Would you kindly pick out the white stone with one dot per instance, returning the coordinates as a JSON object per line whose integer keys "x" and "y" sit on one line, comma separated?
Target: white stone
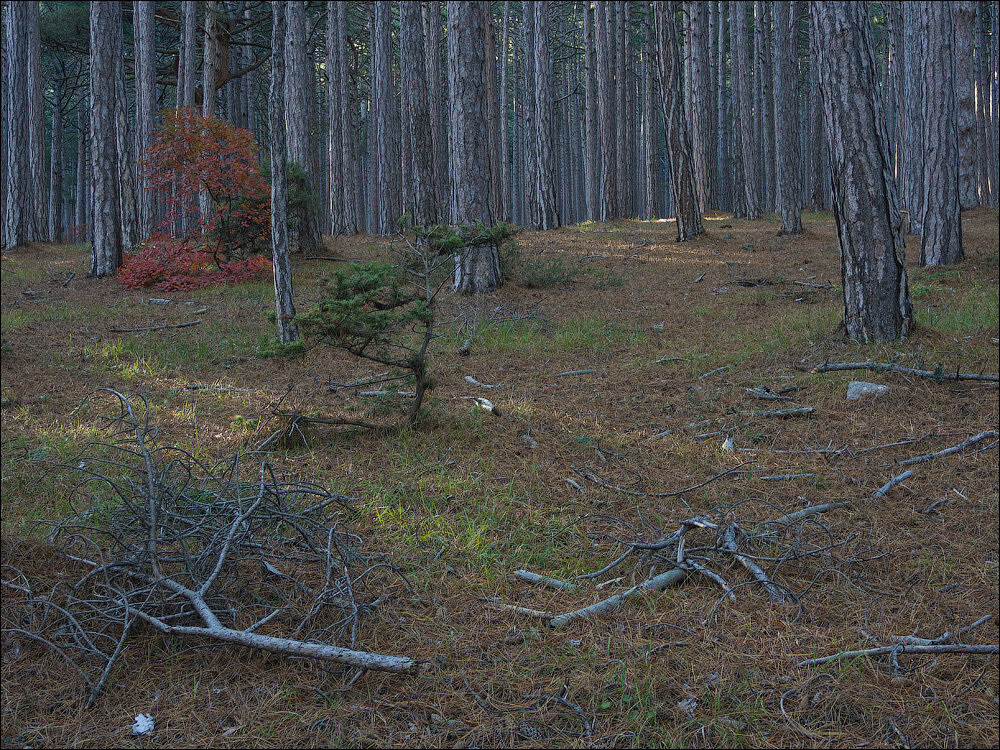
{"x": 858, "y": 389}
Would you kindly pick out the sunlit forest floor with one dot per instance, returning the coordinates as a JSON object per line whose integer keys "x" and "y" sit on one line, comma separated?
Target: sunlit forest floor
{"x": 668, "y": 335}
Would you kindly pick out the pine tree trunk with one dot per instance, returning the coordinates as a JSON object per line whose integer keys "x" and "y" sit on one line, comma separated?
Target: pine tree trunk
{"x": 124, "y": 149}
{"x": 335, "y": 123}
{"x": 210, "y": 62}
{"x": 188, "y": 62}
{"x": 387, "y": 158}
{"x": 765, "y": 68}
{"x": 280, "y": 254}
{"x": 606, "y": 101}
{"x": 145, "y": 105}
{"x": 941, "y": 243}
{"x": 55, "y": 232}
{"x": 545, "y": 192}
{"x": 724, "y": 180}
{"x": 592, "y": 161}
{"x": 435, "y": 101}
{"x": 914, "y": 30}
{"x": 106, "y": 234}
{"x": 505, "y": 202}
{"x": 300, "y": 104}
{"x": 745, "y": 116}
{"x": 81, "y": 211}
{"x": 876, "y": 296}
{"x": 414, "y": 87}
{"x": 477, "y": 268}
{"x": 682, "y": 181}
{"x": 38, "y": 225}
{"x": 649, "y": 124}
{"x": 787, "y": 116}
{"x": 700, "y": 102}
{"x": 351, "y": 194}
{"x": 965, "y": 29}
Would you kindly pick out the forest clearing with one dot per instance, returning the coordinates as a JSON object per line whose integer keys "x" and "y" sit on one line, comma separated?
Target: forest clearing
{"x": 664, "y": 337}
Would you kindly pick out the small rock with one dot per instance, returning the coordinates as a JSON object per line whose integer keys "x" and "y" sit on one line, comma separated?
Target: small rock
{"x": 727, "y": 445}
{"x": 858, "y": 389}
{"x": 143, "y": 724}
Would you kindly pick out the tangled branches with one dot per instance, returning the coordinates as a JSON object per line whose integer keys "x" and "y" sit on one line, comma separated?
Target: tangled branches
{"x": 229, "y": 554}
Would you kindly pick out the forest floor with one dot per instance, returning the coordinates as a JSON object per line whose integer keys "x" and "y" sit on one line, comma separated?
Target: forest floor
{"x": 668, "y": 335}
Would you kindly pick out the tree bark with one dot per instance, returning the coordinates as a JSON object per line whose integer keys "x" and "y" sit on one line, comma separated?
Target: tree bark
{"x": 700, "y": 102}
{"x": 387, "y": 159}
{"x": 764, "y": 76}
{"x": 682, "y": 180}
{"x": 143, "y": 21}
{"x": 606, "y": 105}
{"x": 965, "y": 32}
{"x": 106, "y": 234}
{"x": 435, "y": 101}
{"x": 545, "y": 191}
{"x": 414, "y": 86}
{"x": 592, "y": 162}
{"x": 335, "y": 122}
{"x": 941, "y": 241}
{"x": 188, "y": 60}
{"x": 38, "y": 229}
{"x": 876, "y": 296}
{"x": 745, "y": 116}
{"x": 650, "y": 132}
{"x": 914, "y": 30}
{"x": 280, "y": 255}
{"x": 505, "y": 202}
{"x": 300, "y": 116}
{"x": 477, "y": 268}
{"x": 55, "y": 232}
{"x": 786, "y": 35}
{"x": 350, "y": 186}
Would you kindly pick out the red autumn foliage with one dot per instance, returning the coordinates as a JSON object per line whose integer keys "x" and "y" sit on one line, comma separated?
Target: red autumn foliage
{"x": 193, "y": 156}
{"x": 170, "y": 265}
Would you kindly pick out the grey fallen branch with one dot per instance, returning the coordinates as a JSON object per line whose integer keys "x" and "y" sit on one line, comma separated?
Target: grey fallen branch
{"x": 552, "y": 583}
{"x": 730, "y": 546}
{"x": 936, "y": 374}
{"x": 948, "y": 451}
{"x": 902, "y": 648}
{"x": 575, "y": 372}
{"x": 764, "y": 394}
{"x": 156, "y": 328}
{"x": 801, "y": 411}
{"x": 657, "y": 583}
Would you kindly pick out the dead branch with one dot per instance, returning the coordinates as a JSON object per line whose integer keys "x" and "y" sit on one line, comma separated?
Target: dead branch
{"x": 552, "y": 583}
{"x": 935, "y": 374}
{"x": 156, "y": 328}
{"x": 948, "y": 451}
{"x": 597, "y": 480}
{"x": 730, "y": 546}
{"x": 901, "y": 648}
{"x": 801, "y": 411}
{"x": 657, "y": 583}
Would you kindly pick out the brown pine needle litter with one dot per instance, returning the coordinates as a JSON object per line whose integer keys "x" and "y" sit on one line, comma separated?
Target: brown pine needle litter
{"x": 624, "y": 348}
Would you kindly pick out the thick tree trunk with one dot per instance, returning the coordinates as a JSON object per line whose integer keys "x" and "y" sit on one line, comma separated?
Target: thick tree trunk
{"x": 965, "y": 31}
{"x": 545, "y": 190}
{"x": 876, "y": 296}
{"x": 81, "y": 214}
{"x": 606, "y": 101}
{"x": 477, "y": 268}
{"x": 280, "y": 255}
{"x": 210, "y": 62}
{"x": 350, "y": 187}
{"x": 765, "y": 76}
{"x": 745, "y": 116}
{"x": 124, "y": 149}
{"x": 414, "y": 86}
{"x": 941, "y": 243}
{"x": 787, "y": 116}
{"x": 682, "y": 180}
{"x": 106, "y": 234}
{"x": 145, "y": 105}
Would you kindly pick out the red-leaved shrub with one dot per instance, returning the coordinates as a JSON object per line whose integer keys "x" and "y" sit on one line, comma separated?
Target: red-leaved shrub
{"x": 170, "y": 265}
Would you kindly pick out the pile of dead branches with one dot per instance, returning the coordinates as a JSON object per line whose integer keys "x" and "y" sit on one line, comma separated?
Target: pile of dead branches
{"x": 233, "y": 553}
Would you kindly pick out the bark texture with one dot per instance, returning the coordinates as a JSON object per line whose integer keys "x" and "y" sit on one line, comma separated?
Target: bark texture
{"x": 745, "y": 114}
{"x": 876, "y": 296}
{"x": 477, "y": 268}
{"x": 682, "y": 180}
{"x": 545, "y": 190}
{"x": 414, "y": 87}
{"x": 787, "y": 116}
{"x": 280, "y": 255}
{"x": 941, "y": 240}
